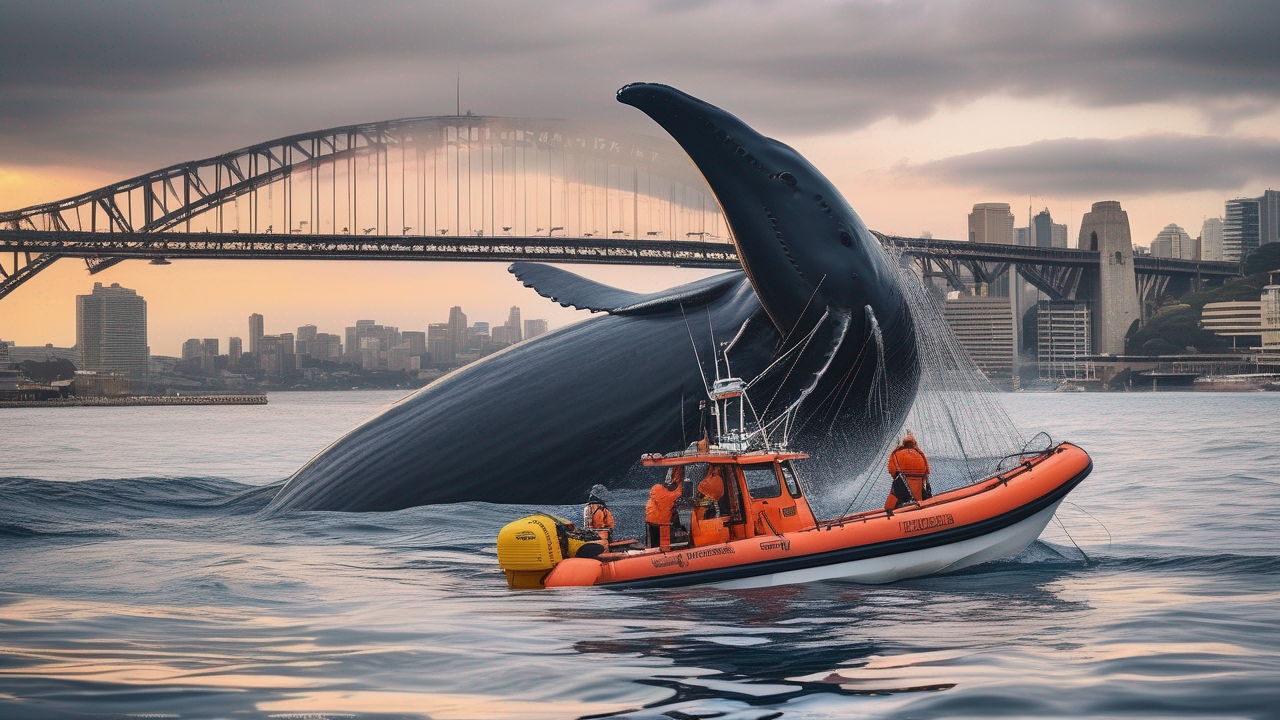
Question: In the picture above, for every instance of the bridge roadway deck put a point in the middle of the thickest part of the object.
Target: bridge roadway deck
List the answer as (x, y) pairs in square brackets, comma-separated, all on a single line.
[(681, 253)]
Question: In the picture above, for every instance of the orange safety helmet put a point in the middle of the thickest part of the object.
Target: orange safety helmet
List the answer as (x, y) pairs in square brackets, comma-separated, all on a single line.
[(909, 440)]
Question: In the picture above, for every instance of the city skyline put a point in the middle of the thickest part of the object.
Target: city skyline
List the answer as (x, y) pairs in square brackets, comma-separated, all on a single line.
[(913, 121)]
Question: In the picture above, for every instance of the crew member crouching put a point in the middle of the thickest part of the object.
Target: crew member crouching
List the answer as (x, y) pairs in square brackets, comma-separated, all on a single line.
[(909, 469), (596, 515)]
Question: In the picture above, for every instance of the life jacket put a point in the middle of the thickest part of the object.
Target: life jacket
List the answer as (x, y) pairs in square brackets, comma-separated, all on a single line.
[(597, 516), (662, 503), (910, 470)]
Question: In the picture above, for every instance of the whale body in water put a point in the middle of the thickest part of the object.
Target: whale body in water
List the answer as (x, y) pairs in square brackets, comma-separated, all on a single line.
[(816, 321)]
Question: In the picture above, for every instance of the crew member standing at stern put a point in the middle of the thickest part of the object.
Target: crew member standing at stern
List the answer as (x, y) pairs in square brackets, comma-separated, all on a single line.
[(660, 511), (909, 469)]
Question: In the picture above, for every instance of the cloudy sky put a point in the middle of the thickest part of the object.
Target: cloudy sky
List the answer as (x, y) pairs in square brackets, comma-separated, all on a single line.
[(915, 109)]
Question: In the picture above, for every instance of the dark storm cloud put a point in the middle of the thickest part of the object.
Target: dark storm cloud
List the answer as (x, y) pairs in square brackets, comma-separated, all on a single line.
[(1132, 165), (136, 84)]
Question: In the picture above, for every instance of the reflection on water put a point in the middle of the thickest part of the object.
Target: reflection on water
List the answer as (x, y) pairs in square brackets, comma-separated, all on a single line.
[(167, 594)]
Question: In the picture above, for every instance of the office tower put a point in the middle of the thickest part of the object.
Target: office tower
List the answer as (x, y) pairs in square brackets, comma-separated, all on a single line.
[(1240, 229), (234, 349), (1269, 217), (255, 333), (457, 329), (271, 355), (398, 358), (209, 355), (1105, 228), (534, 328), (991, 223), (984, 327), (4, 355), (1211, 239), (1043, 229), (417, 342), (479, 328), (326, 346), (439, 344), (191, 349), (1270, 312), (111, 330), (513, 325), (1062, 337), (302, 342)]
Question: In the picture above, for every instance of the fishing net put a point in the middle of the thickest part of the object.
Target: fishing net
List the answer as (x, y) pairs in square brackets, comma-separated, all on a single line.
[(958, 418)]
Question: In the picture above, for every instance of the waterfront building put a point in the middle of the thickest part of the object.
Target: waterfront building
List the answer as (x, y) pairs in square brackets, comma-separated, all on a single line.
[(439, 344), (19, 354), (255, 333), (209, 355), (4, 355), (1105, 228), (984, 327), (991, 223), (457, 329), (513, 326), (234, 349), (534, 328), (1235, 319), (398, 358), (1271, 318), (326, 346), (1062, 339), (111, 330), (191, 349), (1211, 239)]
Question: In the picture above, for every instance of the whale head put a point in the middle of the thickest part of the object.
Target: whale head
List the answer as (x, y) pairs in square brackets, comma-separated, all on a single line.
[(801, 244)]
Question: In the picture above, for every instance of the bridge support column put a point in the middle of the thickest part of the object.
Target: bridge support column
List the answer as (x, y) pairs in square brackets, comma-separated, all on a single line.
[(1105, 228)]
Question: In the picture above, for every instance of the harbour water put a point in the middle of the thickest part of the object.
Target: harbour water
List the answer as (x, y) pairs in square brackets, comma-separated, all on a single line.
[(137, 578)]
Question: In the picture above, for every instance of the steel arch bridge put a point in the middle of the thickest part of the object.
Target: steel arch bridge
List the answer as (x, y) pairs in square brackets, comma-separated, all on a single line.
[(463, 187), (362, 191)]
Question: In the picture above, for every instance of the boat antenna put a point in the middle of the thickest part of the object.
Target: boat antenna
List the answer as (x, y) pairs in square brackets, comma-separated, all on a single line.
[(684, 441), (695, 350), (715, 356)]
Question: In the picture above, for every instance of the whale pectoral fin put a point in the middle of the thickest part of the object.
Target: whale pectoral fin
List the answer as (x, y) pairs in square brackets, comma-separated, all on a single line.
[(571, 290)]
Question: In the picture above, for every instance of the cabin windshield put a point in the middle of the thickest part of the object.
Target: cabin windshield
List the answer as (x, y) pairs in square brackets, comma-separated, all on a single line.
[(762, 481)]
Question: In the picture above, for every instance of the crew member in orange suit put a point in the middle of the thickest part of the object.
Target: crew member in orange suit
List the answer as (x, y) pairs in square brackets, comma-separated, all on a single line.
[(661, 509), (711, 492), (909, 469)]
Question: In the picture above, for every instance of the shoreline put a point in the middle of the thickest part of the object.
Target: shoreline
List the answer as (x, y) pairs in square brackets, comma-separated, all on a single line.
[(139, 401)]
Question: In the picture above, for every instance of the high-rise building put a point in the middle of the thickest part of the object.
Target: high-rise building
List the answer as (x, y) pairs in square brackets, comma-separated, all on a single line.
[(534, 328), (991, 223), (1046, 232), (1062, 337), (255, 333), (398, 358), (234, 349), (1269, 217), (271, 356), (1240, 229), (1173, 242), (191, 349), (439, 344), (326, 346), (417, 342), (984, 327), (1211, 239), (302, 342), (111, 330), (513, 326), (501, 335), (209, 355), (457, 329), (4, 355)]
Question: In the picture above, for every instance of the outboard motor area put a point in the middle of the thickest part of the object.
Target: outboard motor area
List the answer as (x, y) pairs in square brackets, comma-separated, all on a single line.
[(531, 547)]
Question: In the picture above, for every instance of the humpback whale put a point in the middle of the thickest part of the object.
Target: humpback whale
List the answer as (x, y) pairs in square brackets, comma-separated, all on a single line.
[(816, 320)]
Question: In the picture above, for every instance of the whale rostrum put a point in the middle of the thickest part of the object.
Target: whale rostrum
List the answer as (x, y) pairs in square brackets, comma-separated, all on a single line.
[(816, 321)]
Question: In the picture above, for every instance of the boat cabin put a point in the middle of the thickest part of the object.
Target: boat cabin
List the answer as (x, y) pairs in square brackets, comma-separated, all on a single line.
[(738, 496)]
